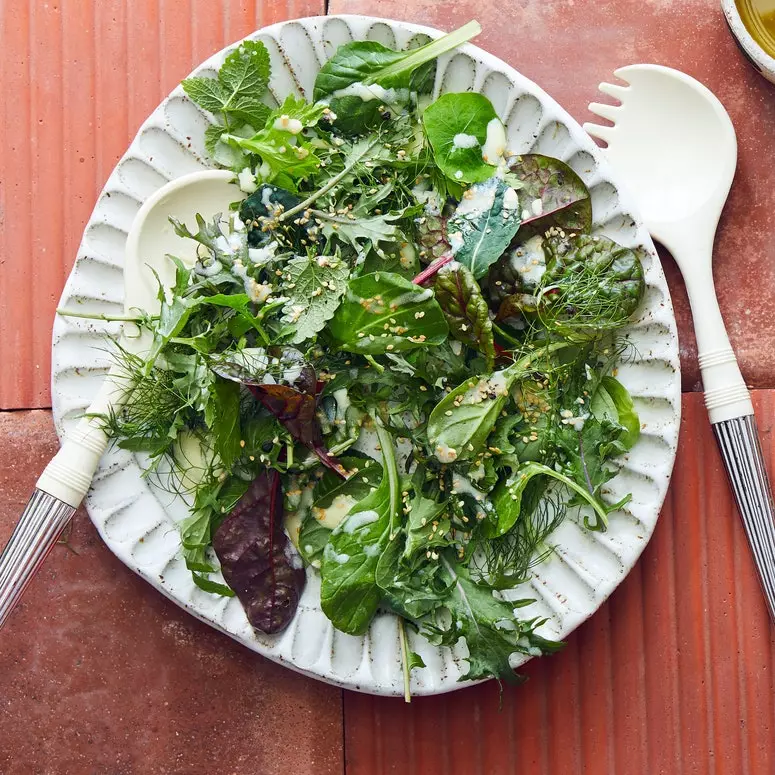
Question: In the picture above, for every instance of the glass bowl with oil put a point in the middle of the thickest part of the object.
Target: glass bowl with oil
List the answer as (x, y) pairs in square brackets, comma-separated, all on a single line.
[(752, 23)]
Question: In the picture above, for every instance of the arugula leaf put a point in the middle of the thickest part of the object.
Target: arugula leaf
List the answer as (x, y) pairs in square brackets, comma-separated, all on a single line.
[(491, 631), (465, 309), (587, 453), (483, 225), (383, 312), (457, 127), (314, 287), (349, 594), (226, 421), (613, 402), (565, 200), (364, 75), (236, 92)]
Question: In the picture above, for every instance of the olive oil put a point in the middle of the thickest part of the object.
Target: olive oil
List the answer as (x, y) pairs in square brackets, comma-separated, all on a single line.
[(759, 19)]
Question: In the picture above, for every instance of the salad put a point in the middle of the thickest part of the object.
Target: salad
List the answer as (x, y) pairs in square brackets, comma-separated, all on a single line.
[(393, 363)]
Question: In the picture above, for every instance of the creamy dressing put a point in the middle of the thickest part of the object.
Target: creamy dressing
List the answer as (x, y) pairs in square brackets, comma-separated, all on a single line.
[(495, 143), (332, 516), (286, 124), (342, 401), (411, 297), (445, 454), (262, 255), (462, 140), (529, 260), (331, 554), (478, 200), (358, 520), (369, 92), (247, 181), (510, 199), (462, 486), (455, 241)]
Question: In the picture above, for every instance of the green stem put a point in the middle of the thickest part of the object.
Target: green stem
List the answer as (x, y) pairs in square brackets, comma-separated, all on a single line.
[(379, 367), (427, 52), (331, 183), (404, 658), (71, 313)]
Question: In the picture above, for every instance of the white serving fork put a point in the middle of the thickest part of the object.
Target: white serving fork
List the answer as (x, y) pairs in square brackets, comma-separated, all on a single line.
[(674, 145)]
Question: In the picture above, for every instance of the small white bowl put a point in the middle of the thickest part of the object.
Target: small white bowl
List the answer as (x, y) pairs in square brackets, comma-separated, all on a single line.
[(753, 52)]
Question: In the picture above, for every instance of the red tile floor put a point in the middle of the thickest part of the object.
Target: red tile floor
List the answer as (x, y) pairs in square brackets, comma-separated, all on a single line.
[(100, 675)]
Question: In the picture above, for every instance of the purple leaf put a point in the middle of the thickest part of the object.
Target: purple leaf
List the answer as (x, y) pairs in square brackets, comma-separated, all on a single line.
[(257, 559)]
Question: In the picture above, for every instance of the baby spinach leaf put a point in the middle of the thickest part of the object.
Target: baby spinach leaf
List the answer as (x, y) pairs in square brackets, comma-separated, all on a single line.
[(257, 560), (364, 475), (465, 309), (313, 538), (460, 423), (363, 76), (236, 92), (565, 200), (613, 402), (383, 312), (483, 225), (349, 594), (314, 286), (456, 126), (491, 631)]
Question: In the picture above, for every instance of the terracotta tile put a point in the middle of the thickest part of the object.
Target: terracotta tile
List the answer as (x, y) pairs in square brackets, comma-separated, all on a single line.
[(102, 675), (568, 47), (673, 675), (84, 77)]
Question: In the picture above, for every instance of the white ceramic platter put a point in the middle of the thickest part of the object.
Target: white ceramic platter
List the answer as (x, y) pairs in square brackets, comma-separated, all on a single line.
[(137, 520)]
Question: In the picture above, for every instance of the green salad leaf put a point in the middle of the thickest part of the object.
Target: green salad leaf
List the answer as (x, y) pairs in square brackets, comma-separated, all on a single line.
[(483, 225), (564, 199), (364, 78), (349, 593), (314, 286), (237, 91), (465, 309), (383, 312), (457, 127)]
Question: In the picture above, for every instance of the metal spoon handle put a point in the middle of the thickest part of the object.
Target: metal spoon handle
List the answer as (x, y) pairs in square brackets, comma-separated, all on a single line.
[(738, 440), (35, 534)]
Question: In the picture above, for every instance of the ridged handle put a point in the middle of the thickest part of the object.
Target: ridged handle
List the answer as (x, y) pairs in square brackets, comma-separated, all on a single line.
[(35, 534), (738, 439)]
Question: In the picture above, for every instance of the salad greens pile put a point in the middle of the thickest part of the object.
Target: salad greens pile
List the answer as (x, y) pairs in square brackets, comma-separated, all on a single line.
[(393, 361)]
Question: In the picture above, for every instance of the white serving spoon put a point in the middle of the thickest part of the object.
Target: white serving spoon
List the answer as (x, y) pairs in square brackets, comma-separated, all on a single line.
[(675, 145), (67, 478)]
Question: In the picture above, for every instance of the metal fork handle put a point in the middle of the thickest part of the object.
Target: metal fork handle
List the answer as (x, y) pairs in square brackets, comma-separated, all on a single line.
[(36, 532), (738, 440)]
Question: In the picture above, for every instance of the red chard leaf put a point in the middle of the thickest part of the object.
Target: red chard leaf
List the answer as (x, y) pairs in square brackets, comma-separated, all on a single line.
[(257, 559)]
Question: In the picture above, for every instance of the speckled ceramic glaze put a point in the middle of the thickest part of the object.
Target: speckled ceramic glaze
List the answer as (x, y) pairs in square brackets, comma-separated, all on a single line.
[(757, 57), (137, 519)]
